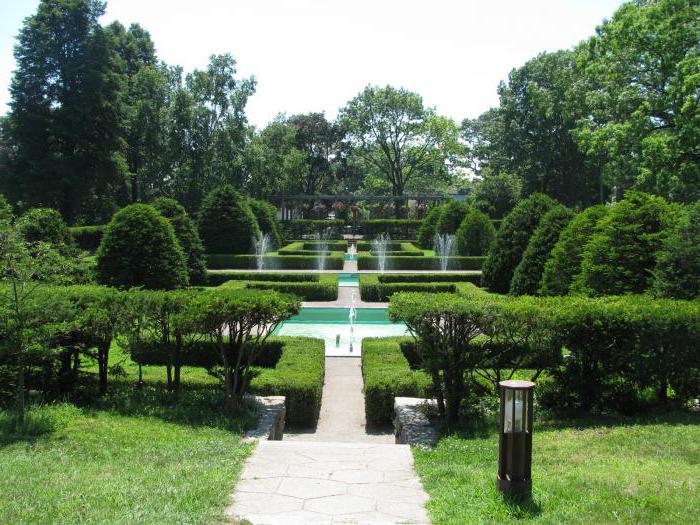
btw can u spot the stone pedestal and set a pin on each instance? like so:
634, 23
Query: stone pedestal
411, 425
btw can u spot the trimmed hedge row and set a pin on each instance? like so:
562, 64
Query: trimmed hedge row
372, 290
298, 228
369, 262
218, 278
402, 228
298, 376
222, 261
387, 374
440, 277
333, 246
400, 253
326, 289
366, 246
87, 237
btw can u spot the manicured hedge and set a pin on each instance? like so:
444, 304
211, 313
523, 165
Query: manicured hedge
400, 253
427, 228
217, 261
298, 376
453, 213
87, 237
387, 375
368, 262
334, 246
326, 289
226, 222
372, 289
217, 278
429, 278
401, 228
298, 228
366, 246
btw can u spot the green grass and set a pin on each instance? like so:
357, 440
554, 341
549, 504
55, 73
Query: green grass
643, 471
99, 466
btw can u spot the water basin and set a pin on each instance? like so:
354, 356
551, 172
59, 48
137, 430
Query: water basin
348, 279
328, 323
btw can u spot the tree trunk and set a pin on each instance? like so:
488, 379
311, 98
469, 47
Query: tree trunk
177, 364
103, 365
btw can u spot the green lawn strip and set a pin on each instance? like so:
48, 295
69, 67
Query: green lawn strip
379, 288
636, 472
97, 466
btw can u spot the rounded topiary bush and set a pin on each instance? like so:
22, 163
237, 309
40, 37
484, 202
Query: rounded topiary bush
528, 273
621, 255
266, 215
47, 225
678, 263
226, 223
186, 234
565, 260
139, 248
426, 231
475, 235
511, 241
451, 217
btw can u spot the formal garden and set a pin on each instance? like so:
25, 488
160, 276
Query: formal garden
242, 334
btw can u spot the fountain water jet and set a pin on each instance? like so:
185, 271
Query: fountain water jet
322, 240
443, 248
262, 246
379, 248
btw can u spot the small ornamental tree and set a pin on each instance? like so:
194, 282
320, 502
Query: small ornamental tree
226, 223
47, 225
237, 321
451, 217
621, 256
426, 231
139, 248
187, 236
511, 241
678, 264
475, 235
266, 215
565, 260
528, 273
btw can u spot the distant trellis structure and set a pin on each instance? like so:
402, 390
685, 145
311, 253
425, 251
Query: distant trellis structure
291, 206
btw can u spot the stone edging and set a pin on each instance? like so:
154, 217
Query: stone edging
411, 425
272, 412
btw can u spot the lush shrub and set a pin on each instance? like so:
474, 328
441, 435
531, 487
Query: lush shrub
528, 273
47, 225
366, 246
139, 248
334, 246
298, 375
187, 236
512, 240
428, 278
399, 228
475, 234
226, 223
5, 211
427, 229
621, 255
217, 278
266, 215
452, 215
565, 260
369, 262
325, 289
678, 263
278, 262
87, 238
300, 228
372, 289
387, 375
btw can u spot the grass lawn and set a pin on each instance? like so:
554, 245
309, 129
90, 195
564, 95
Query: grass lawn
644, 471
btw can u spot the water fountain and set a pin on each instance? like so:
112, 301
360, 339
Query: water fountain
322, 240
443, 248
262, 246
352, 316
379, 248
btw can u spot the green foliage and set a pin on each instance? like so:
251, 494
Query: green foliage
678, 264
512, 240
426, 231
298, 375
187, 236
387, 374
451, 216
226, 223
217, 278
5, 212
564, 262
475, 234
47, 225
266, 215
279, 262
326, 289
396, 228
621, 255
298, 228
139, 248
528, 273
403, 262
496, 194
87, 237
374, 289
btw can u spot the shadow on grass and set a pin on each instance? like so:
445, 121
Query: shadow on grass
522, 507
38, 422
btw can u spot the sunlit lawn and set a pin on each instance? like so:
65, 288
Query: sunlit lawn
645, 471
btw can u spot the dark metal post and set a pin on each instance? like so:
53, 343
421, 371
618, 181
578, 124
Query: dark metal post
515, 438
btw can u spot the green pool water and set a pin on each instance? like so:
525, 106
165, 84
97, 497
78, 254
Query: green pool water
348, 279
333, 325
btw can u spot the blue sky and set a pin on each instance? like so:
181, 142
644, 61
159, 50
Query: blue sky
314, 55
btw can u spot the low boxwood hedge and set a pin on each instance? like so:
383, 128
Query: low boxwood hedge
326, 289
430, 278
217, 261
87, 237
387, 374
372, 289
400, 228
218, 278
400, 253
369, 262
298, 228
333, 246
298, 375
